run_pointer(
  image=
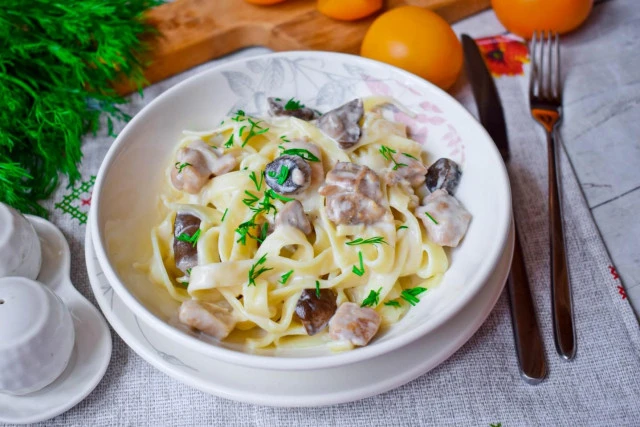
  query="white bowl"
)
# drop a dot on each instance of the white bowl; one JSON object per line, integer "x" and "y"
{"x": 36, "y": 336}
{"x": 125, "y": 195}
{"x": 19, "y": 245}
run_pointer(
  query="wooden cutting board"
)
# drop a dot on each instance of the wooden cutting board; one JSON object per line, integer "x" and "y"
{"x": 196, "y": 31}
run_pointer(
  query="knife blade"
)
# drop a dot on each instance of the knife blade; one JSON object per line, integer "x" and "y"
{"x": 527, "y": 337}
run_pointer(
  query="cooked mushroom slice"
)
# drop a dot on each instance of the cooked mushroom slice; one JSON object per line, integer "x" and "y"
{"x": 444, "y": 217}
{"x": 279, "y": 107}
{"x": 412, "y": 170}
{"x": 216, "y": 319}
{"x": 315, "y": 312}
{"x": 342, "y": 125}
{"x": 354, "y": 324}
{"x": 288, "y": 174}
{"x": 185, "y": 253}
{"x": 443, "y": 174}
{"x": 293, "y": 214}
{"x": 196, "y": 164}
{"x": 353, "y": 195}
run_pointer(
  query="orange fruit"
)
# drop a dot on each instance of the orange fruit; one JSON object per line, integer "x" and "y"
{"x": 522, "y": 17}
{"x": 417, "y": 40}
{"x": 348, "y": 10}
{"x": 264, "y": 2}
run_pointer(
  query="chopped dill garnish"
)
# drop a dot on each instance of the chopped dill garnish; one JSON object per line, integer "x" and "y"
{"x": 252, "y": 130}
{"x": 181, "y": 166}
{"x": 184, "y": 237}
{"x": 393, "y": 303}
{"x": 282, "y": 175}
{"x": 251, "y": 200}
{"x": 356, "y": 270}
{"x": 239, "y": 116}
{"x": 387, "y": 153}
{"x": 411, "y": 295}
{"x": 285, "y": 277}
{"x": 189, "y": 271}
{"x": 253, "y": 274}
{"x": 410, "y": 156}
{"x": 224, "y": 214}
{"x": 317, "y": 288}
{"x": 293, "y": 104}
{"x": 229, "y": 142}
{"x": 300, "y": 152}
{"x": 402, "y": 227}
{"x": 275, "y": 195}
{"x": 184, "y": 285}
{"x": 284, "y": 139}
{"x": 254, "y": 178}
{"x": 431, "y": 218}
{"x": 372, "y": 241}
{"x": 373, "y": 299}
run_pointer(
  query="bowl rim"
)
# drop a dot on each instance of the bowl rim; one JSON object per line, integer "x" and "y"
{"x": 281, "y": 362}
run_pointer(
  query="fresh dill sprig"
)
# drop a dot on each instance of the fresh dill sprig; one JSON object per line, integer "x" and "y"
{"x": 411, "y": 295}
{"x": 256, "y": 182}
{"x": 370, "y": 241}
{"x": 57, "y": 66}
{"x": 356, "y": 270}
{"x": 373, "y": 299}
{"x": 318, "y": 288}
{"x": 224, "y": 214}
{"x": 293, "y": 104}
{"x": 431, "y": 218}
{"x": 387, "y": 153}
{"x": 253, "y": 274}
{"x": 393, "y": 303}
{"x": 193, "y": 239}
{"x": 285, "y": 277}
{"x": 181, "y": 166}
{"x": 300, "y": 152}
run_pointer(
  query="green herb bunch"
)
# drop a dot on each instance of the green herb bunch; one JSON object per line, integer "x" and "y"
{"x": 57, "y": 60}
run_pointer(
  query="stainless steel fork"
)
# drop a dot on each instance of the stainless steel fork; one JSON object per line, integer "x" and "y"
{"x": 545, "y": 99}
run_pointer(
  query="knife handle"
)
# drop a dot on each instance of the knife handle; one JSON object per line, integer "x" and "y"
{"x": 529, "y": 345}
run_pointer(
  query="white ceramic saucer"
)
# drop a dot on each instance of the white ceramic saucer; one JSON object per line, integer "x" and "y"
{"x": 297, "y": 388}
{"x": 92, "y": 349}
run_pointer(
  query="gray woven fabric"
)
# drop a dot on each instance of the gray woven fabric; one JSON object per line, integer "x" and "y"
{"x": 479, "y": 384}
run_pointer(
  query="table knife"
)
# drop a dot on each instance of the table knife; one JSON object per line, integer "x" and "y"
{"x": 528, "y": 340}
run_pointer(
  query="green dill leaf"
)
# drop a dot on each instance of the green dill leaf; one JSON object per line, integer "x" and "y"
{"x": 286, "y": 276}
{"x": 275, "y": 195}
{"x": 370, "y": 241}
{"x": 253, "y": 274}
{"x": 356, "y": 270}
{"x": 224, "y": 214}
{"x": 411, "y": 295}
{"x": 386, "y": 152}
{"x": 254, "y": 178}
{"x": 183, "y": 285}
{"x": 301, "y": 152}
{"x": 292, "y": 104}
{"x": 181, "y": 166}
{"x": 399, "y": 165}
{"x": 373, "y": 299}
{"x": 409, "y": 156}
{"x": 251, "y": 200}
{"x": 284, "y": 139}
{"x": 193, "y": 239}
{"x": 189, "y": 271}
{"x": 229, "y": 142}
{"x": 431, "y": 218}
{"x": 393, "y": 303}
{"x": 318, "y": 288}
{"x": 402, "y": 227}
{"x": 283, "y": 174}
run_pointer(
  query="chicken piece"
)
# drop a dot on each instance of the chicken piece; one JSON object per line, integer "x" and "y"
{"x": 314, "y": 311}
{"x": 216, "y": 319}
{"x": 293, "y": 214}
{"x": 288, "y": 174}
{"x": 413, "y": 171}
{"x": 449, "y": 219}
{"x": 196, "y": 164}
{"x": 185, "y": 253}
{"x": 342, "y": 125}
{"x": 279, "y": 107}
{"x": 353, "y": 195}
{"x": 443, "y": 174}
{"x": 354, "y": 324}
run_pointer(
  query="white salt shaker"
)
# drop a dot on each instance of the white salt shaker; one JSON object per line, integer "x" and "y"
{"x": 19, "y": 245}
{"x": 36, "y": 336}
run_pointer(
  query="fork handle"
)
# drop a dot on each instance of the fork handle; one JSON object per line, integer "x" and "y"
{"x": 526, "y": 333}
{"x": 563, "y": 326}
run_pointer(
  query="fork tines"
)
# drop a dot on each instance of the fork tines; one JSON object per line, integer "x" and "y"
{"x": 545, "y": 84}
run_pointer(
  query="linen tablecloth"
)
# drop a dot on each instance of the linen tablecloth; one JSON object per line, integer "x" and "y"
{"x": 480, "y": 384}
